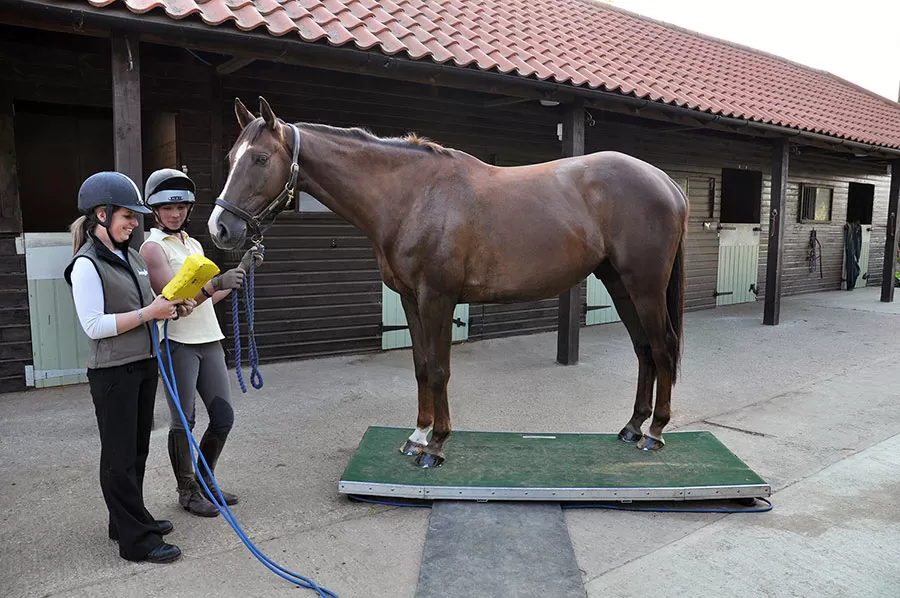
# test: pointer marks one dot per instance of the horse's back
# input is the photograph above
(625, 178)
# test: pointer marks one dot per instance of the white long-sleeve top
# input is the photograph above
(87, 291)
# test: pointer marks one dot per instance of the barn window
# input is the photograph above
(815, 203)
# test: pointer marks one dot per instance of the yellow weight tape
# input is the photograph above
(194, 273)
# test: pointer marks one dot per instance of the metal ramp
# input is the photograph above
(551, 467)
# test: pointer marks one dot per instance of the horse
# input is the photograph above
(447, 228)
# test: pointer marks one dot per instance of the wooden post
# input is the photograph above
(890, 237)
(10, 210)
(126, 88)
(777, 209)
(567, 333)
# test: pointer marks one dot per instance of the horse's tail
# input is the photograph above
(675, 308)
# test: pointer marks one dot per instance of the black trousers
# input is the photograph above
(123, 402)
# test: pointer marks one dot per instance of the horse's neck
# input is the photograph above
(366, 183)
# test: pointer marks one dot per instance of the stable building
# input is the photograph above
(781, 162)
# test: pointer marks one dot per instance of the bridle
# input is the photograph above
(259, 223)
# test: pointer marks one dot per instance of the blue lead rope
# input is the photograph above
(256, 379)
(216, 497)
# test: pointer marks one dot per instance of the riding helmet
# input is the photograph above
(110, 189)
(170, 186)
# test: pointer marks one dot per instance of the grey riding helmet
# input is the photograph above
(109, 189)
(170, 186)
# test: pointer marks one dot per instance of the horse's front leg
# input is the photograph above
(418, 440)
(436, 313)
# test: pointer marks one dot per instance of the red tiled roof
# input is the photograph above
(576, 42)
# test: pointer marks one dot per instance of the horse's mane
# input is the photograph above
(410, 141)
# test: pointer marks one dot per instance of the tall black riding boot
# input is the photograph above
(190, 494)
(211, 446)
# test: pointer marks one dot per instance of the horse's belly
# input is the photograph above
(522, 283)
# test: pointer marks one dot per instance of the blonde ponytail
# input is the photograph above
(79, 230)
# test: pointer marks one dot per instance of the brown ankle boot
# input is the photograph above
(190, 494)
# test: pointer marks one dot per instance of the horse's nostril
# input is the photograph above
(223, 232)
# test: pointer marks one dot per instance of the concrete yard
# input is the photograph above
(810, 405)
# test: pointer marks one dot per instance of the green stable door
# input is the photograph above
(395, 330)
(736, 281)
(600, 308)
(739, 228)
(59, 347)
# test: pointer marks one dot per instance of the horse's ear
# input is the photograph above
(266, 112)
(244, 116)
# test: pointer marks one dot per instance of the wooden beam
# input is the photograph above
(235, 63)
(10, 209)
(777, 211)
(126, 89)
(505, 102)
(567, 333)
(890, 239)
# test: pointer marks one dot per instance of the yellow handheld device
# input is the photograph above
(194, 273)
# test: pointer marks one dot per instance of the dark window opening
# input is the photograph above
(860, 199)
(741, 196)
(158, 143)
(58, 146)
(815, 203)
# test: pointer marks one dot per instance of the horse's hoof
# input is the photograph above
(428, 460)
(627, 435)
(648, 443)
(412, 448)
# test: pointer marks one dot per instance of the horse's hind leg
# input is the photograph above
(418, 440)
(643, 401)
(651, 309)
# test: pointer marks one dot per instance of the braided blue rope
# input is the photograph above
(237, 341)
(256, 379)
(168, 376)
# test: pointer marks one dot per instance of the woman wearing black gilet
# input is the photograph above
(116, 308)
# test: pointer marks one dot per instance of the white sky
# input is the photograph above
(858, 40)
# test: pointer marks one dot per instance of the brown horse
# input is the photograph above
(448, 228)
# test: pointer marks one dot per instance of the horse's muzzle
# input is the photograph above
(226, 230)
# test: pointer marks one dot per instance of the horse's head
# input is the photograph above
(261, 179)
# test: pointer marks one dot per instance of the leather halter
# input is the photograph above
(259, 223)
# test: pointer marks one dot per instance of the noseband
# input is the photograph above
(259, 223)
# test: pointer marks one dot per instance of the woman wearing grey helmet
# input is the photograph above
(197, 355)
(116, 307)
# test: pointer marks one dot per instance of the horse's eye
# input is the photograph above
(262, 159)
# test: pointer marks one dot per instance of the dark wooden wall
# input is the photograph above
(48, 68)
(837, 174)
(319, 292)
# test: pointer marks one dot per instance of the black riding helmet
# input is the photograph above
(109, 189)
(166, 186)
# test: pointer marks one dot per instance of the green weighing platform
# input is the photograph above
(551, 467)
